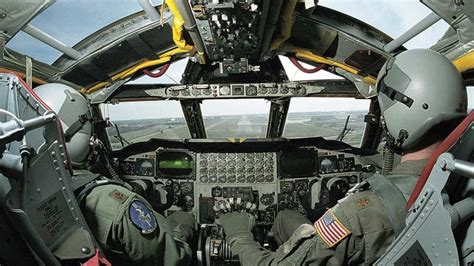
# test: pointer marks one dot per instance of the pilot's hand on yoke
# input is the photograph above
(236, 218)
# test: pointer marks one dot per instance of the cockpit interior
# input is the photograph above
(272, 103)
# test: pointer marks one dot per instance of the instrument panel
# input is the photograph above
(304, 179)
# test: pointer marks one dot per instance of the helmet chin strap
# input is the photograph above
(394, 144)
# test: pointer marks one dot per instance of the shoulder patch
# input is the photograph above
(142, 217)
(330, 229)
(118, 196)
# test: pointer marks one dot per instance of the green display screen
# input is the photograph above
(175, 164)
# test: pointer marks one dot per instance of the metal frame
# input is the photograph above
(51, 41)
(418, 28)
(149, 9)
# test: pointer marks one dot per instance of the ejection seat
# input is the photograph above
(439, 228)
(41, 204)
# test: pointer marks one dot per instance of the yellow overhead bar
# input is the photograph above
(307, 55)
(178, 30)
(464, 62)
(178, 27)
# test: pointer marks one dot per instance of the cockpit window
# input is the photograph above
(141, 121)
(70, 22)
(326, 117)
(245, 118)
(393, 17)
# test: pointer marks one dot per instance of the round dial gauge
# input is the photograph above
(269, 177)
(145, 168)
(213, 179)
(231, 179)
(241, 179)
(224, 90)
(187, 187)
(267, 199)
(129, 168)
(287, 187)
(251, 179)
(301, 185)
(204, 179)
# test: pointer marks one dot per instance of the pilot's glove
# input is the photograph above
(183, 225)
(237, 225)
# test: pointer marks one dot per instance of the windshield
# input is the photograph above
(326, 117)
(243, 118)
(141, 121)
(236, 118)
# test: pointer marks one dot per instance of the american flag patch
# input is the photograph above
(330, 229)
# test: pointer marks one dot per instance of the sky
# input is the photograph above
(65, 20)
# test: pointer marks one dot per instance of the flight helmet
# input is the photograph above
(73, 110)
(419, 90)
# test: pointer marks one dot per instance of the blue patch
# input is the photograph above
(142, 217)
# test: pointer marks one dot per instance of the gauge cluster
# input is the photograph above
(301, 179)
(252, 177)
(231, 168)
(143, 165)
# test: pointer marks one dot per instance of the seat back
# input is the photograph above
(41, 204)
(445, 146)
(436, 231)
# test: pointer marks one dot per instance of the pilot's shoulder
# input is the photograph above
(303, 232)
(108, 200)
(362, 212)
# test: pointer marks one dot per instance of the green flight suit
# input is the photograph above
(362, 214)
(108, 212)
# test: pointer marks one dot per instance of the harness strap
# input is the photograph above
(392, 199)
(76, 126)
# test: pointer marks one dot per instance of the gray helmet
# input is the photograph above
(73, 110)
(417, 90)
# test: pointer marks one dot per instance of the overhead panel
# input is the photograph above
(229, 29)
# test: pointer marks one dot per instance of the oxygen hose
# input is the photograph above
(104, 161)
(388, 157)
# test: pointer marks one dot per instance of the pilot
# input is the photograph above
(422, 98)
(126, 227)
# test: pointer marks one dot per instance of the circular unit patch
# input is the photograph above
(142, 217)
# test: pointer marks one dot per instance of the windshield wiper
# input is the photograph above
(119, 136)
(345, 130)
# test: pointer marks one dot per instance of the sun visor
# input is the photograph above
(15, 14)
(366, 90)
